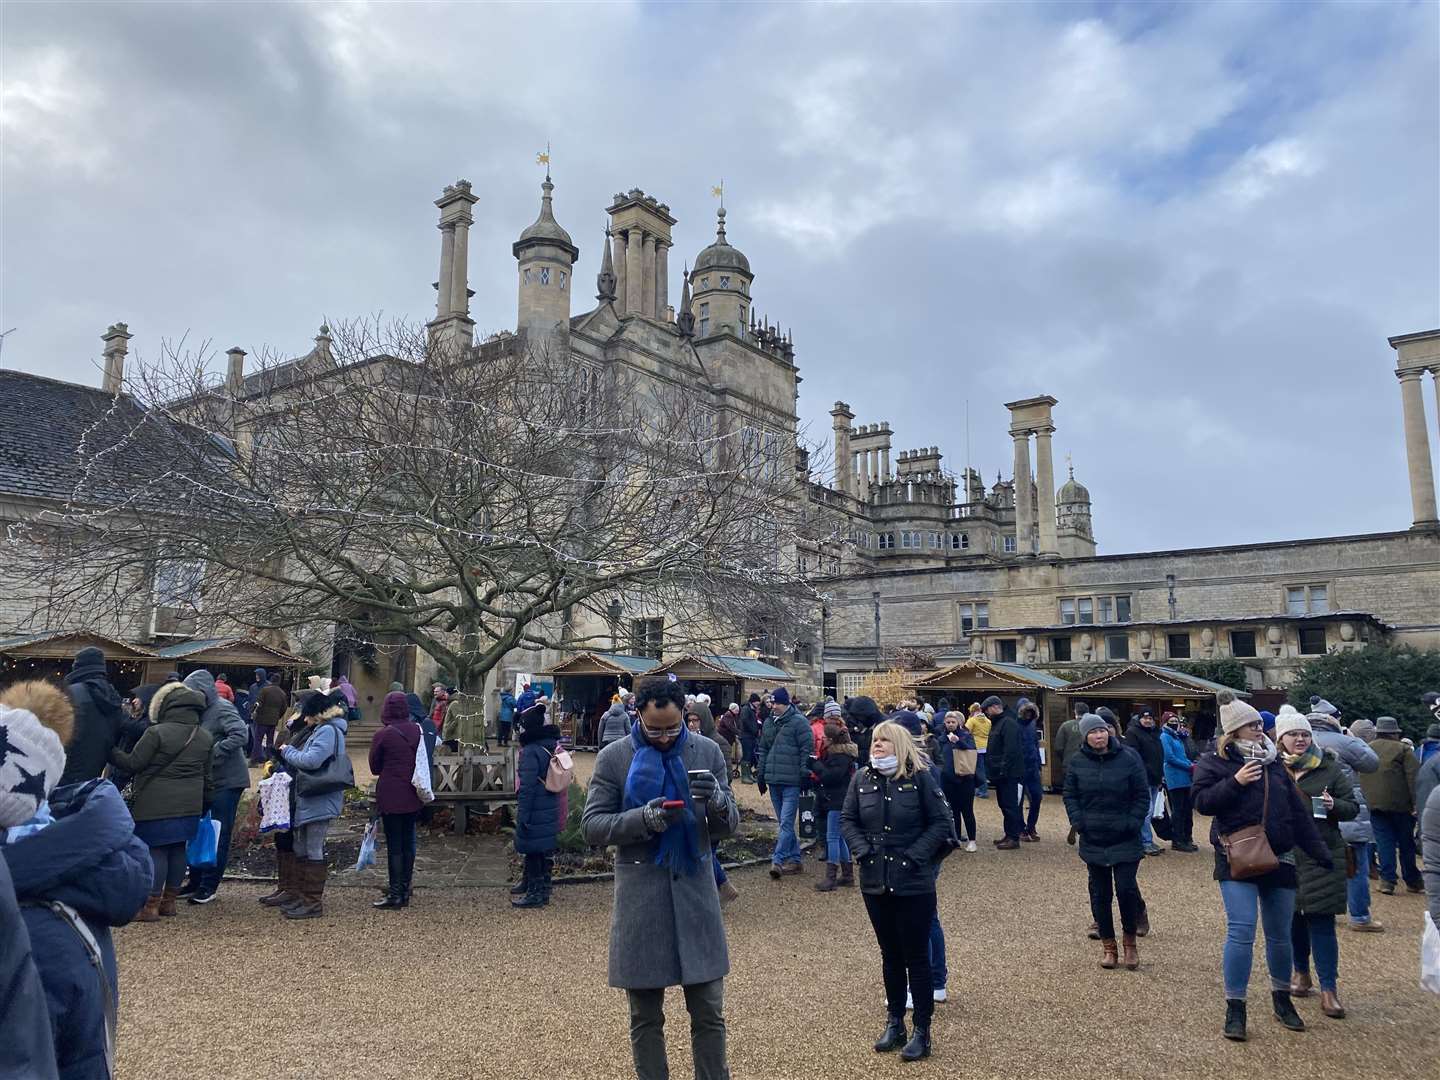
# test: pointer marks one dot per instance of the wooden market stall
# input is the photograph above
(724, 678)
(236, 657)
(1128, 688)
(584, 685)
(47, 654)
(971, 681)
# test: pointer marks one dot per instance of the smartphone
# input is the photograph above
(694, 773)
(1317, 807)
(672, 804)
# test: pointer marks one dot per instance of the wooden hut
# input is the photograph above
(1129, 688)
(584, 685)
(47, 654)
(724, 678)
(236, 657)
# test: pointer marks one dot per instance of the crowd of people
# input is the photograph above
(1305, 808)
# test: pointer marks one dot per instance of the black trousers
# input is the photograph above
(960, 794)
(400, 850)
(1007, 795)
(1182, 818)
(902, 928)
(1122, 878)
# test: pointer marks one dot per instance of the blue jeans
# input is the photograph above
(836, 850)
(1395, 832)
(1317, 933)
(939, 974)
(223, 805)
(982, 778)
(1147, 837)
(785, 798)
(1277, 910)
(1357, 889)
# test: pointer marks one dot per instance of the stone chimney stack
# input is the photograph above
(115, 338)
(841, 418)
(452, 320)
(235, 371)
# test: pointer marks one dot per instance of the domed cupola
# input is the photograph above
(546, 256)
(720, 283)
(1073, 517)
(1072, 491)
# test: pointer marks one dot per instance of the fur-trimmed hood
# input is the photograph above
(48, 703)
(176, 703)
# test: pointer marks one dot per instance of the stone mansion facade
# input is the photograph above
(928, 559)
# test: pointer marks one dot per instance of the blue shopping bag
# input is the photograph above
(205, 844)
(367, 848)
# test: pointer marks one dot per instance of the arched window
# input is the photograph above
(964, 540)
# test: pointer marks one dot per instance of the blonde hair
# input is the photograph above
(907, 751)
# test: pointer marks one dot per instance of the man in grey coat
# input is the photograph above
(229, 777)
(659, 796)
(1356, 757)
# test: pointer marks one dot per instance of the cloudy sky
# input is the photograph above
(1194, 225)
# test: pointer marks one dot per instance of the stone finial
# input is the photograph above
(605, 281)
(685, 318)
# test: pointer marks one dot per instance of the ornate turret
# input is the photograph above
(546, 257)
(605, 280)
(721, 281)
(1076, 532)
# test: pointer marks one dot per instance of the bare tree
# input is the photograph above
(467, 502)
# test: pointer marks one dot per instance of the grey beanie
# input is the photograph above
(1363, 729)
(1090, 722)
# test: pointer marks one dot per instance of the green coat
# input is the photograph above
(1391, 787)
(1322, 892)
(1067, 741)
(171, 762)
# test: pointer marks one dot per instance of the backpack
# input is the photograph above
(561, 772)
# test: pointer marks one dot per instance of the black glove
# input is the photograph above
(704, 788)
(760, 786)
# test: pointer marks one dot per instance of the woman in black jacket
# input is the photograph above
(1243, 784)
(898, 824)
(1107, 796)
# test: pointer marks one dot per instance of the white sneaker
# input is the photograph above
(970, 845)
(940, 995)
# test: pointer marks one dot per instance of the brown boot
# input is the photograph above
(1301, 986)
(828, 885)
(1330, 1005)
(312, 890)
(284, 891)
(167, 900)
(1132, 955)
(847, 873)
(1111, 959)
(151, 911)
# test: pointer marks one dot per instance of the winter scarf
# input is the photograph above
(655, 775)
(1244, 745)
(1300, 764)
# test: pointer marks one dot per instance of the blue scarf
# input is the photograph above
(654, 775)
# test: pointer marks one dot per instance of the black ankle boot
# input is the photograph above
(894, 1037)
(392, 900)
(1235, 1019)
(919, 1045)
(1285, 1010)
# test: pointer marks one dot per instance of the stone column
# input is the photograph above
(634, 269)
(1023, 524)
(1045, 481)
(647, 276)
(447, 269)
(1417, 447)
(862, 476)
(621, 299)
(885, 462)
(662, 278)
(460, 269)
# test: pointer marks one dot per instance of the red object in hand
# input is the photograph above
(672, 804)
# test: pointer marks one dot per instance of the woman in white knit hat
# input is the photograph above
(1322, 893)
(1241, 785)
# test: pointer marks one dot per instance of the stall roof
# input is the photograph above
(722, 667)
(601, 663)
(60, 644)
(985, 675)
(231, 649)
(1138, 680)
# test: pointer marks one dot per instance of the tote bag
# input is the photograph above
(420, 778)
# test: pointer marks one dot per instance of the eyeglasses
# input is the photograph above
(660, 734)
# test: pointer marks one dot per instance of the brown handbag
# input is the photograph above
(1248, 850)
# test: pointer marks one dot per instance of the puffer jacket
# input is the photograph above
(28, 1049)
(1426, 781)
(91, 860)
(537, 810)
(1107, 796)
(1233, 805)
(392, 763)
(308, 752)
(1179, 768)
(1355, 757)
(1322, 891)
(1029, 716)
(228, 734)
(835, 770)
(171, 762)
(896, 827)
(1391, 787)
(786, 745)
(99, 717)
(1146, 742)
(1005, 759)
(1066, 744)
(615, 724)
(1430, 851)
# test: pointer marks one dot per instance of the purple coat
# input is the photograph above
(392, 760)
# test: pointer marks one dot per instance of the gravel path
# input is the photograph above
(461, 985)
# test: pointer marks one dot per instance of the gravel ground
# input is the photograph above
(461, 985)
